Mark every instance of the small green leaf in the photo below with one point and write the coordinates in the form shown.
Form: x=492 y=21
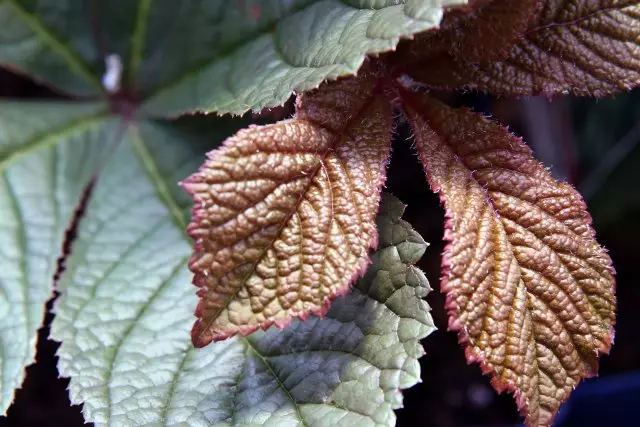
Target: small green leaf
x=48 y=153
x=125 y=314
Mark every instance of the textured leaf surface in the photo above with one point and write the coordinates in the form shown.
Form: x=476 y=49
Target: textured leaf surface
x=211 y=55
x=267 y=49
x=486 y=31
x=529 y=290
x=584 y=48
x=40 y=184
x=126 y=309
x=284 y=214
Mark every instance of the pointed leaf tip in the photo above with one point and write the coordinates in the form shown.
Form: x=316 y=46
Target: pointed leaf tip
x=529 y=290
x=283 y=215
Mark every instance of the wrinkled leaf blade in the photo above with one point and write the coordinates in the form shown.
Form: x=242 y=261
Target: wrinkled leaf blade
x=587 y=49
x=284 y=214
x=529 y=290
x=265 y=50
x=48 y=153
x=126 y=310
x=125 y=295
x=485 y=31
x=205 y=55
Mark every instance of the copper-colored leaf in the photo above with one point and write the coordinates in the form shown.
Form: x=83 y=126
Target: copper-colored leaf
x=584 y=48
x=484 y=31
x=529 y=290
x=284 y=214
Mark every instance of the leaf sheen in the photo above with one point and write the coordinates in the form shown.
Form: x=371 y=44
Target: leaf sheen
x=263 y=50
x=284 y=214
x=41 y=182
x=529 y=290
x=583 y=48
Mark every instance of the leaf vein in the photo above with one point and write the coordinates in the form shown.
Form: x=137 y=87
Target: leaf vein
x=71 y=58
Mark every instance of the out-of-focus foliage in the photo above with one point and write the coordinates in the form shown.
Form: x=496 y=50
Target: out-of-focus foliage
x=607 y=134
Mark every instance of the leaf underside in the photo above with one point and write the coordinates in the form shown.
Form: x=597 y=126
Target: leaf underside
x=290 y=46
x=583 y=48
x=283 y=214
x=529 y=290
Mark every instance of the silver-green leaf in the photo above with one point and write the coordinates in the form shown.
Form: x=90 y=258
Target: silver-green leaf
x=48 y=154
x=207 y=55
x=126 y=310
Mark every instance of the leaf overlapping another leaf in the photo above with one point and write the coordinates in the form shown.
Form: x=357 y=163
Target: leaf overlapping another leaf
x=529 y=290
x=125 y=312
x=290 y=46
x=284 y=214
x=206 y=55
x=486 y=32
x=584 y=48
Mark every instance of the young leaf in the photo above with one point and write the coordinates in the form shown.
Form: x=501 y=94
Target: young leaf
x=125 y=312
x=208 y=55
x=529 y=290
x=486 y=33
x=40 y=184
x=584 y=48
x=283 y=214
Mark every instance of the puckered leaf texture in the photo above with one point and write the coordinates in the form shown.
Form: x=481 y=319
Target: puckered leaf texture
x=283 y=214
x=209 y=55
x=47 y=155
x=584 y=48
x=529 y=290
x=125 y=313
x=485 y=32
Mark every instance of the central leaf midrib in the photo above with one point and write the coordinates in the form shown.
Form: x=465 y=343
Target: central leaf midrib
x=152 y=170
x=138 y=39
x=275 y=376
x=134 y=322
x=170 y=203
x=576 y=21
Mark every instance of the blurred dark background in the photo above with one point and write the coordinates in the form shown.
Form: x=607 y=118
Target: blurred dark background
x=595 y=145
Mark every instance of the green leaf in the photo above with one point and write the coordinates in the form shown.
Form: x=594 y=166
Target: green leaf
x=269 y=49
x=210 y=55
x=47 y=156
x=52 y=41
x=125 y=314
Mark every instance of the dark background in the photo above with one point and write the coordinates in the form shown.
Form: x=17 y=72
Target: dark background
x=594 y=144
